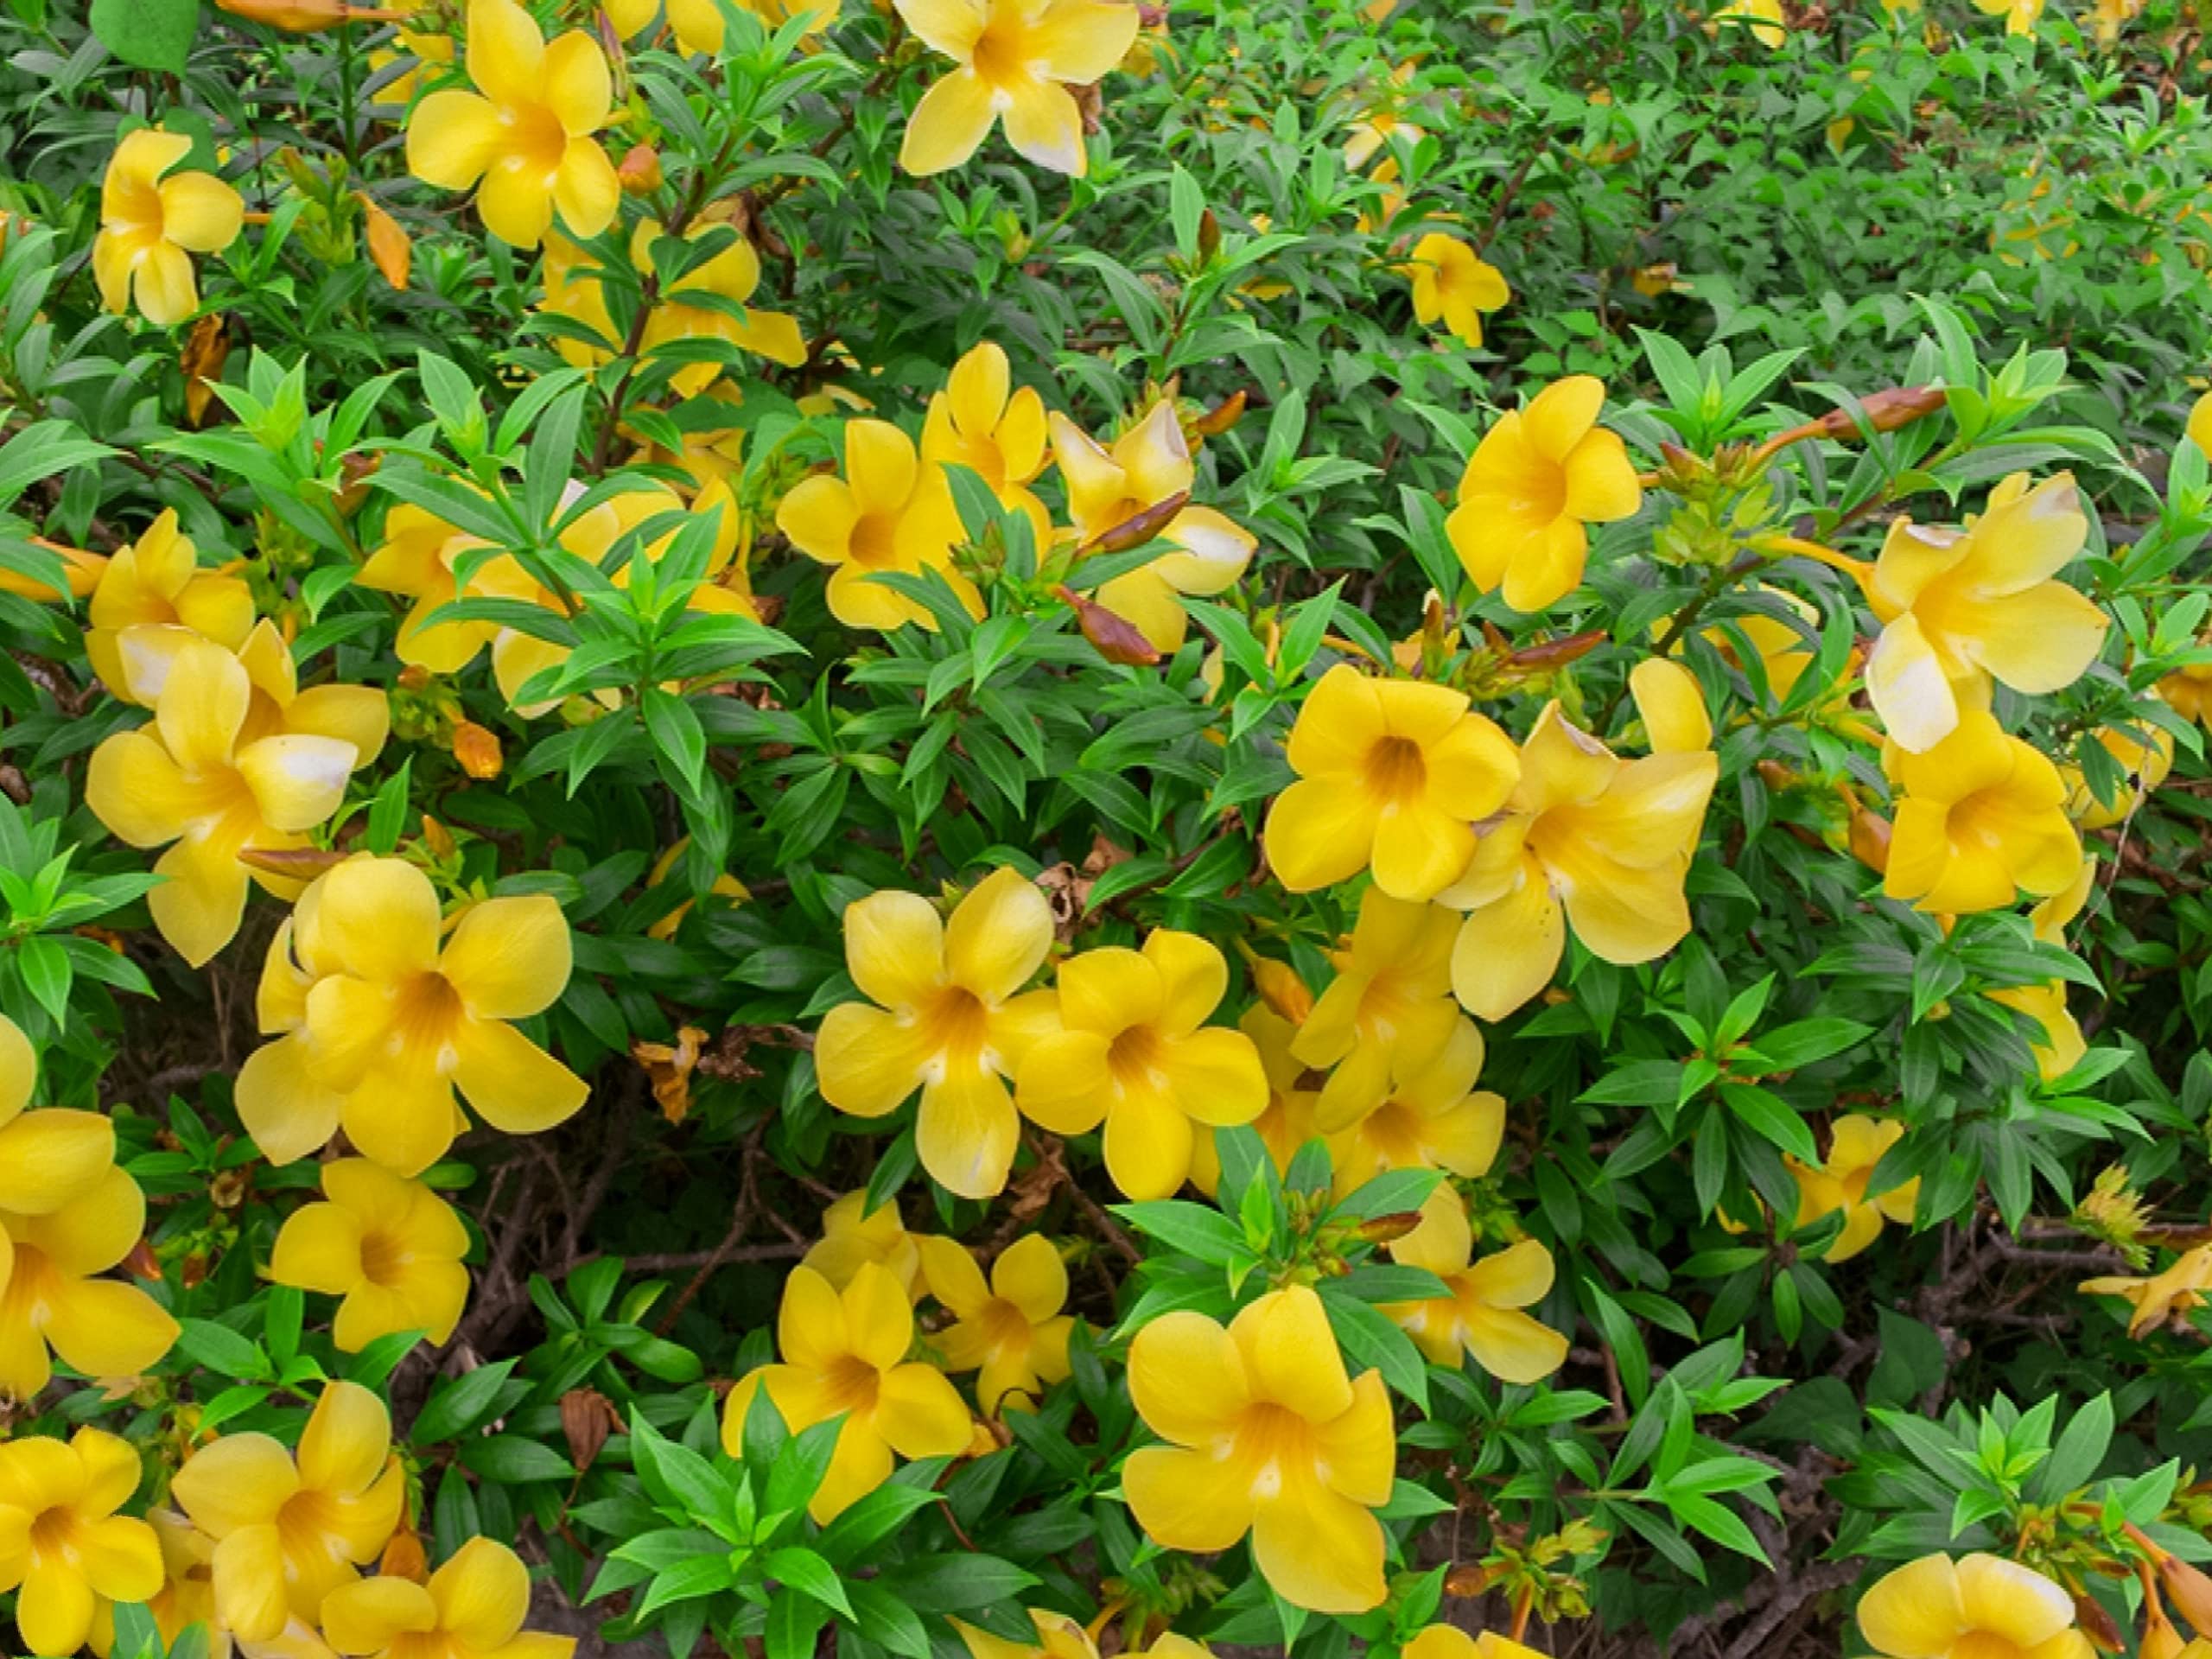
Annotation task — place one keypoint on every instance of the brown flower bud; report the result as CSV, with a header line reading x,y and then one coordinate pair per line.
x,y
2189,1591
390,247
1282,989
1385,1230
477,748
2097,1625
205,349
404,1558
1218,419
1469,1579
293,863
304,16
1136,531
438,838
639,171
1870,839
587,1417
142,1263
1557,653
354,472
1116,639
2160,1639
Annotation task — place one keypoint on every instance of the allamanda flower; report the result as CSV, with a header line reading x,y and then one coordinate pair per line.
x,y
1761,19
290,1530
1393,775
698,25
1856,1143
983,422
845,1354
1286,1122
1452,284
2062,1045
63,1549
1012,1332
191,781
2200,423
1449,1642
1482,1310
1589,840
1388,1014
156,583
1016,59
47,1158
1134,1052
946,1015
153,219
382,1030
471,1608
1268,1435
1538,477
2170,1295
52,1300
890,512
1434,1118
389,1246
852,1238
1977,1607
1960,609
1149,466
526,132
1983,814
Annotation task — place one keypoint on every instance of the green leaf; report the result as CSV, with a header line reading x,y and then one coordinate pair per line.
x,y
804,1570
953,1584
460,1404
514,1460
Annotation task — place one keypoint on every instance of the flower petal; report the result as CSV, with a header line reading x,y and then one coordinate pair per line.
x,y
1508,951
998,937
1319,1551
509,958
512,1083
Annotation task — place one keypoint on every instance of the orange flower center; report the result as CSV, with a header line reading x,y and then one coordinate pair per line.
x,y
1003,1325
1274,1442
540,142
1542,494
1002,53
309,1523
1395,770
1133,1056
1984,1644
54,1533
383,1258
957,1023
850,1384
874,541
426,1011
1393,1131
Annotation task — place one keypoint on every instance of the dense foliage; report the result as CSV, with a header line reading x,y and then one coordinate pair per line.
x,y
1039,826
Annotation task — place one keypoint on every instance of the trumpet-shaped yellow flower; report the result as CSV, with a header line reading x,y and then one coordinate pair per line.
x,y
1589,840
1011,1332
2062,1045
47,1158
1983,815
698,26
2020,15
1976,1607
946,1015
1389,1013
153,219
1761,19
187,1594
1267,1435
1482,1313
416,560
1960,609
1147,466
982,420
471,1608
2200,423
1286,1122
1434,1118
526,132
190,781
1455,285
1059,1637
852,1238
1016,59
156,583
288,1531
389,1246
2171,1295
845,1354
1856,1144
1542,473
378,1025
1393,775
51,1302
1134,1051
2146,765
890,512
63,1549
1449,1642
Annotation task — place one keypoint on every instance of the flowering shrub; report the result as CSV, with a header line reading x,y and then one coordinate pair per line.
x,y
1013,827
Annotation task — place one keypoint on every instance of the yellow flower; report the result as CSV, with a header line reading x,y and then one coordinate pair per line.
x,y
945,1015
1960,609
2146,765
63,1549
1856,1144
525,132
288,1533
2200,423
1107,488
1983,814
1286,1122
1012,1331
1434,1118
2020,15
1134,1052
982,420
1016,58
1268,1435
473,1608
378,1025
1389,1013
2188,691
1482,1313
49,1298
49,1157
1590,841
1449,1642
191,777
2173,1295
389,1246
845,1353
151,225
1393,775
698,26
725,884
415,560
1976,1607
1373,132
850,1240
156,583
2062,1045
1453,284
1537,477
889,513
1763,19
